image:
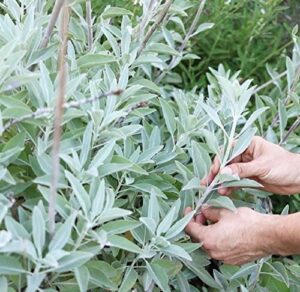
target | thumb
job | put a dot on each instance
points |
(242, 169)
(211, 213)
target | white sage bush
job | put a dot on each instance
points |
(133, 149)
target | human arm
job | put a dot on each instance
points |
(245, 235)
(277, 169)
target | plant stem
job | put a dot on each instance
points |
(89, 24)
(54, 16)
(59, 110)
(294, 126)
(155, 26)
(47, 110)
(187, 37)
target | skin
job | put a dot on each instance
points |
(245, 235)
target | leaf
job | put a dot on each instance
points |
(91, 60)
(169, 116)
(38, 230)
(80, 193)
(253, 118)
(34, 281)
(166, 223)
(86, 143)
(115, 11)
(161, 49)
(159, 276)
(194, 183)
(111, 214)
(3, 284)
(15, 228)
(177, 251)
(10, 266)
(98, 202)
(73, 260)
(243, 143)
(242, 183)
(82, 276)
(203, 27)
(149, 223)
(281, 271)
(62, 234)
(283, 118)
(120, 226)
(213, 115)
(129, 280)
(123, 243)
(222, 202)
(179, 225)
(153, 207)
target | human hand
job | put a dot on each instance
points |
(270, 165)
(234, 237)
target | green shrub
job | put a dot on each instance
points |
(132, 153)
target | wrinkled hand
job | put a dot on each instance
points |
(235, 238)
(272, 166)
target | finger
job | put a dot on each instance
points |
(216, 166)
(200, 219)
(195, 230)
(213, 214)
(243, 170)
(223, 191)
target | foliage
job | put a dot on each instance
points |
(132, 153)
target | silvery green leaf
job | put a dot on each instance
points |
(202, 27)
(62, 234)
(86, 143)
(253, 117)
(243, 143)
(98, 202)
(3, 211)
(123, 243)
(38, 230)
(213, 115)
(169, 116)
(161, 49)
(159, 276)
(114, 213)
(166, 223)
(120, 226)
(290, 71)
(280, 271)
(9, 265)
(102, 155)
(283, 118)
(242, 183)
(285, 210)
(182, 282)
(194, 183)
(3, 284)
(91, 60)
(244, 271)
(129, 280)
(179, 225)
(82, 276)
(222, 202)
(34, 281)
(5, 238)
(177, 251)
(115, 11)
(73, 260)
(149, 223)
(153, 207)
(80, 193)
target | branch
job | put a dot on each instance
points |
(185, 41)
(155, 26)
(89, 24)
(59, 111)
(54, 16)
(47, 110)
(293, 127)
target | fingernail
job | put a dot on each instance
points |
(226, 170)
